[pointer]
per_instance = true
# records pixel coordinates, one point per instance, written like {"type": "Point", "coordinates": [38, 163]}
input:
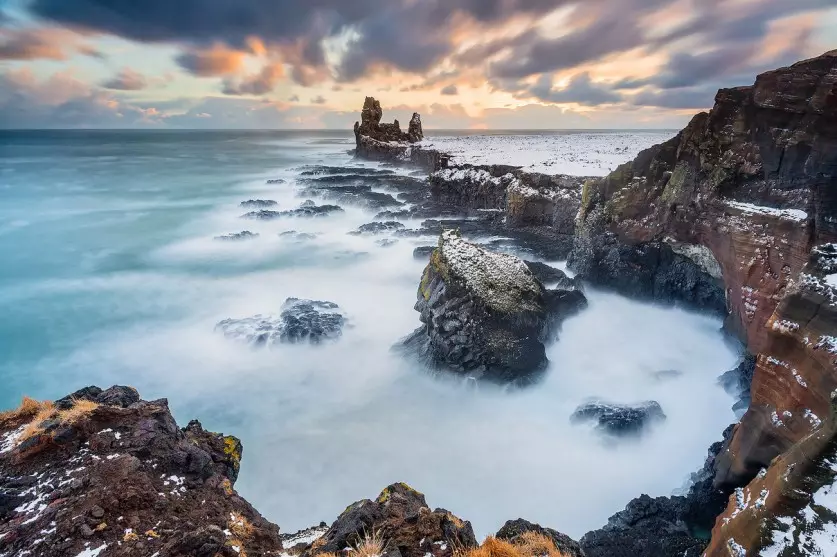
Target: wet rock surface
{"type": "Point", "coordinates": [307, 209]}
{"type": "Point", "coordinates": [237, 236]}
{"type": "Point", "coordinates": [258, 203]}
{"type": "Point", "coordinates": [299, 321]}
{"type": "Point", "coordinates": [619, 419]}
{"type": "Point", "coordinates": [372, 228]}
{"type": "Point", "coordinates": [484, 314]}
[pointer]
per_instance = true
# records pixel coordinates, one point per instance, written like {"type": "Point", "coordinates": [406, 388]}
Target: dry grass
{"type": "Point", "coordinates": [47, 410]}
{"type": "Point", "coordinates": [80, 409]}
{"type": "Point", "coordinates": [529, 544]}
{"type": "Point", "coordinates": [240, 526]}
{"type": "Point", "coordinates": [28, 407]}
{"type": "Point", "coordinates": [372, 545]}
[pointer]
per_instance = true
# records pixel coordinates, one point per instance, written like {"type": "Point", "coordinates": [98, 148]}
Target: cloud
{"type": "Point", "coordinates": [319, 99]}
{"type": "Point", "coordinates": [44, 42]}
{"type": "Point", "coordinates": [697, 98]}
{"type": "Point", "coordinates": [293, 98]}
{"type": "Point", "coordinates": [215, 61]}
{"type": "Point", "coordinates": [449, 90]}
{"type": "Point", "coordinates": [258, 84]}
{"type": "Point", "coordinates": [62, 101]}
{"type": "Point", "coordinates": [126, 80]}
{"type": "Point", "coordinates": [579, 90]}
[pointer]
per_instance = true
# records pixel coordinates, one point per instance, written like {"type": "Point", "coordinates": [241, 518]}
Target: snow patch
{"type": "Point", "coordinates": [788, 214]}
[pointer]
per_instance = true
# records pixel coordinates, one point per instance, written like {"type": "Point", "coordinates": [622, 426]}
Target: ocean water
{"type": "Point", "coordinates": [110, 275]}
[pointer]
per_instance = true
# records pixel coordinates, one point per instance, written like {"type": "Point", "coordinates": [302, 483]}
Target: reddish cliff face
{"type": "Point", "coordinates": [730, 210]}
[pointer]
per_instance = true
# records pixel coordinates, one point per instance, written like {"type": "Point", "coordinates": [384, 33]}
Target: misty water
{"type": "Point", "coordinates": [110, 274]}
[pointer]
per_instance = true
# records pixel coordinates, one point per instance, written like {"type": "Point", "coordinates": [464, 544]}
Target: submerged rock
{"type": "Point", "coordinates": [298, 236]}
{"type": "Point", "coordinates": [400, 518]}
{"type": "Point", "coordinates": [307, 209]}
{"type": "Point", "coordinates": [377, 228]}
{"type": "Point", "coordinates": [236, 236]}
{"type": "Point", "coordinates": [386, 242]}
{"type": "Point", "coordinates": [423, 252]}
{"type": "Point", "coordinates": [394, 215]}
{"type": "Point", "coordinates": [484, 314]}
{"type": "Point", "coordinates": [276, 181]}
{"type": "Point", "coordinates": [619, 419]}
{"type": "Point", "coordinates": [258, 203]}
{"type": "Point", "coordinates": [355, 195]}
{"type": "Point", "coordinates": [300, 321]}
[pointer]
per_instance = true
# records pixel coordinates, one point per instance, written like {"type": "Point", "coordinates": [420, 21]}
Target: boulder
{"type": "Point", "coordinates": [300, 321]}
{"type": "Point", "coordinates": [258, 203]}
{"type": "Point", "coordinates": [401, 521]}
{"type": "Point", "coordinates": [237, 236]}
{"type": "Point", "coordinates": [377, 228]}
{"type": "Point", "coordinates": [484, 314]}
{"type": "Point", "coordinates": [619, 419]}
{"type": "Point", "coordinates": [512, 530]}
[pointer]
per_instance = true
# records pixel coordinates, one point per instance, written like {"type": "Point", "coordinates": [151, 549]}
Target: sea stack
{"type": "Point", "coordinates": [484, 314]}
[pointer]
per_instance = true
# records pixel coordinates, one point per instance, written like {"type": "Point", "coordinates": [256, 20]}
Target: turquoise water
{"type": "Point", "coordinates": [110, 274]}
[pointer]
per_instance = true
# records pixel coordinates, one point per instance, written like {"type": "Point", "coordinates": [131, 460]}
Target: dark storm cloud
{"type": "Point", "coordinates": [693, 98]}
{"type": "Point", "coordinates": [449, 90]}
{"type": "Point", "coordinates": [580, 90]}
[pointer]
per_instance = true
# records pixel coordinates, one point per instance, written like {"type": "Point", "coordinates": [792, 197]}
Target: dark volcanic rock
{"type": "Point", "coordinates": [237, 236]}
{"type": "Point", "coordinates": [258, 203]}
{"type": "Point", "coordinates": [353, 195]}
{"type": "Point", "coordinates": [377, 228]}
{"type": "Point", "coordinates": [386, 242]}
{"type": "Point", "coordinates": [297, 236]}
{"type": "Point", "coordinates": [545, 273]}
{"type": "Point", "coordinates": [370, 125]}
{"type": "Point", "coordinates": [619, 419]}
{"type": "Point", "coordinates": [394, 215]}
{"type": "Point", "coordinates": [123, 479]}
{"type": "Point", "coordinates": [276, 181]}
{"type": "Point", "coordinates": [737, 382]}
{"type": "Point", "coordinates": [322, 170]}
{"type": "Point", "coordinates": [512, 530]}
{"type": "Point", "coordinates": [423, 252]}
{"type": "Point", "coordinates": [300, 321]}
{"type": "Point", "coordinates": [307, 209]}
{"type": "Point", "coordinates": [484, 314]}
{"type": "Point", "coordinates": [405, 524]}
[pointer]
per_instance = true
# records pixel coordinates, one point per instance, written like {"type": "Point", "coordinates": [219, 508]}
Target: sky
{"type": "Point", "coordinates": [462, 64]}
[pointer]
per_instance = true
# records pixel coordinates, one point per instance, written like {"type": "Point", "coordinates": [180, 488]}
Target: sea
{"type": "Point", "coordinates": [110, 273]}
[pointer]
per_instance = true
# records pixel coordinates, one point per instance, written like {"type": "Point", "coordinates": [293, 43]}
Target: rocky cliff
{"type": "Point", "coordinates": [737, 213]}
{"type": "Point", "coordinates": [103, 473]}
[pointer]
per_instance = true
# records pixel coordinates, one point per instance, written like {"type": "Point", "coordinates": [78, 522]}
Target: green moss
{"type": "Point", "coordinates": [424, 286]}
{"type": "Point", "coordinates": [232, 448]}
{"type": "Point", "coordinates": [387, 492]}
{"type": "Point", "coordinates": [675, 185]}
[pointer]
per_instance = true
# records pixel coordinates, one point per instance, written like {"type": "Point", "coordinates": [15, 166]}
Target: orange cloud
{"type": "Point", "coordinates": [215, 61]}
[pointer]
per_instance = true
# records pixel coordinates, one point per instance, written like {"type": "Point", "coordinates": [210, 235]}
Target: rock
{"type": "Point", "coordinates": [306, 209]}
{"type": "Point", "coordinates": [737, 382]}
{"type": "Point", "coordinates": [394, 215]}
{"type": "Point", "coordinates": [377, 228]}
{"type": "Point", "coordinates": [361, 195]}
{"type": "Point", "coordinates": [237, 236]}
{"type": "Point", "coordinates": [300, 321]}
{"type": "Point", "coordinates": [512, 530]}
{"type": "Point", "coordinates": [298, 236]}
{"type": "Point", "coordinates": [276, 181]}
{"type": "Point", "coordinates": [370, 125]}
{"type": "Point", "coordinates": [484, 314]}
{"type": "Point", "coordinates": [619, 419]}
{"type": "Point", "coordinates": [90, 393]}
{"type": "Point", "coordinates": [423, 252]}
{"type": "Point", "coordinates": [258, 203]}
{"type": "Point", "coordinates": [545, 273]}
{"type": "Point", "coordinates": [127, 479]}
{"type": "Point", "coordinates": [386, 242]}
{"type": "Point", "coordinates": [402, 520]}
{"type": "Point", "coordinates": [354, 171]}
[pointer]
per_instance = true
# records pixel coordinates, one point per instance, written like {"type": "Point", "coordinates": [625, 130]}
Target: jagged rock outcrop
{"type": "Point", "coordinates": [485, 314]}
{"type": "Point", "coordinates": [102, 471]}
{"type": "Point", "coordinates": [513, 530]}
{"type": "Point", "coordinates": [402, 524]}
{"type": "Point", "coordinates": [370, 125]}
{"type": "Point", "coordinates": [726, 215]}
{"type": "Point", "coordinates": [619, 419]}
{"type": "Point", "coordinates": [311, 321]}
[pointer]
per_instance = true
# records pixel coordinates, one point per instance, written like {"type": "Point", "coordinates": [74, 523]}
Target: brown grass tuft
{"type": "Point", "coordinates": [240, 526]}
{"type": "Point", "coordinates": [528, 544]}
{"type": "Point", "coordinates": [47, 410]}
{"type": "Point", "coordinates": [80, 409]}
{"type": "Point", "coordinates": [372, 545]}
{"type": "Point", "coordinates": [28, 408]}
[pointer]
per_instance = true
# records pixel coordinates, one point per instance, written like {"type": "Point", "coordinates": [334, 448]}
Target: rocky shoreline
{"type": "Point", "coordinates": [736, 215]}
